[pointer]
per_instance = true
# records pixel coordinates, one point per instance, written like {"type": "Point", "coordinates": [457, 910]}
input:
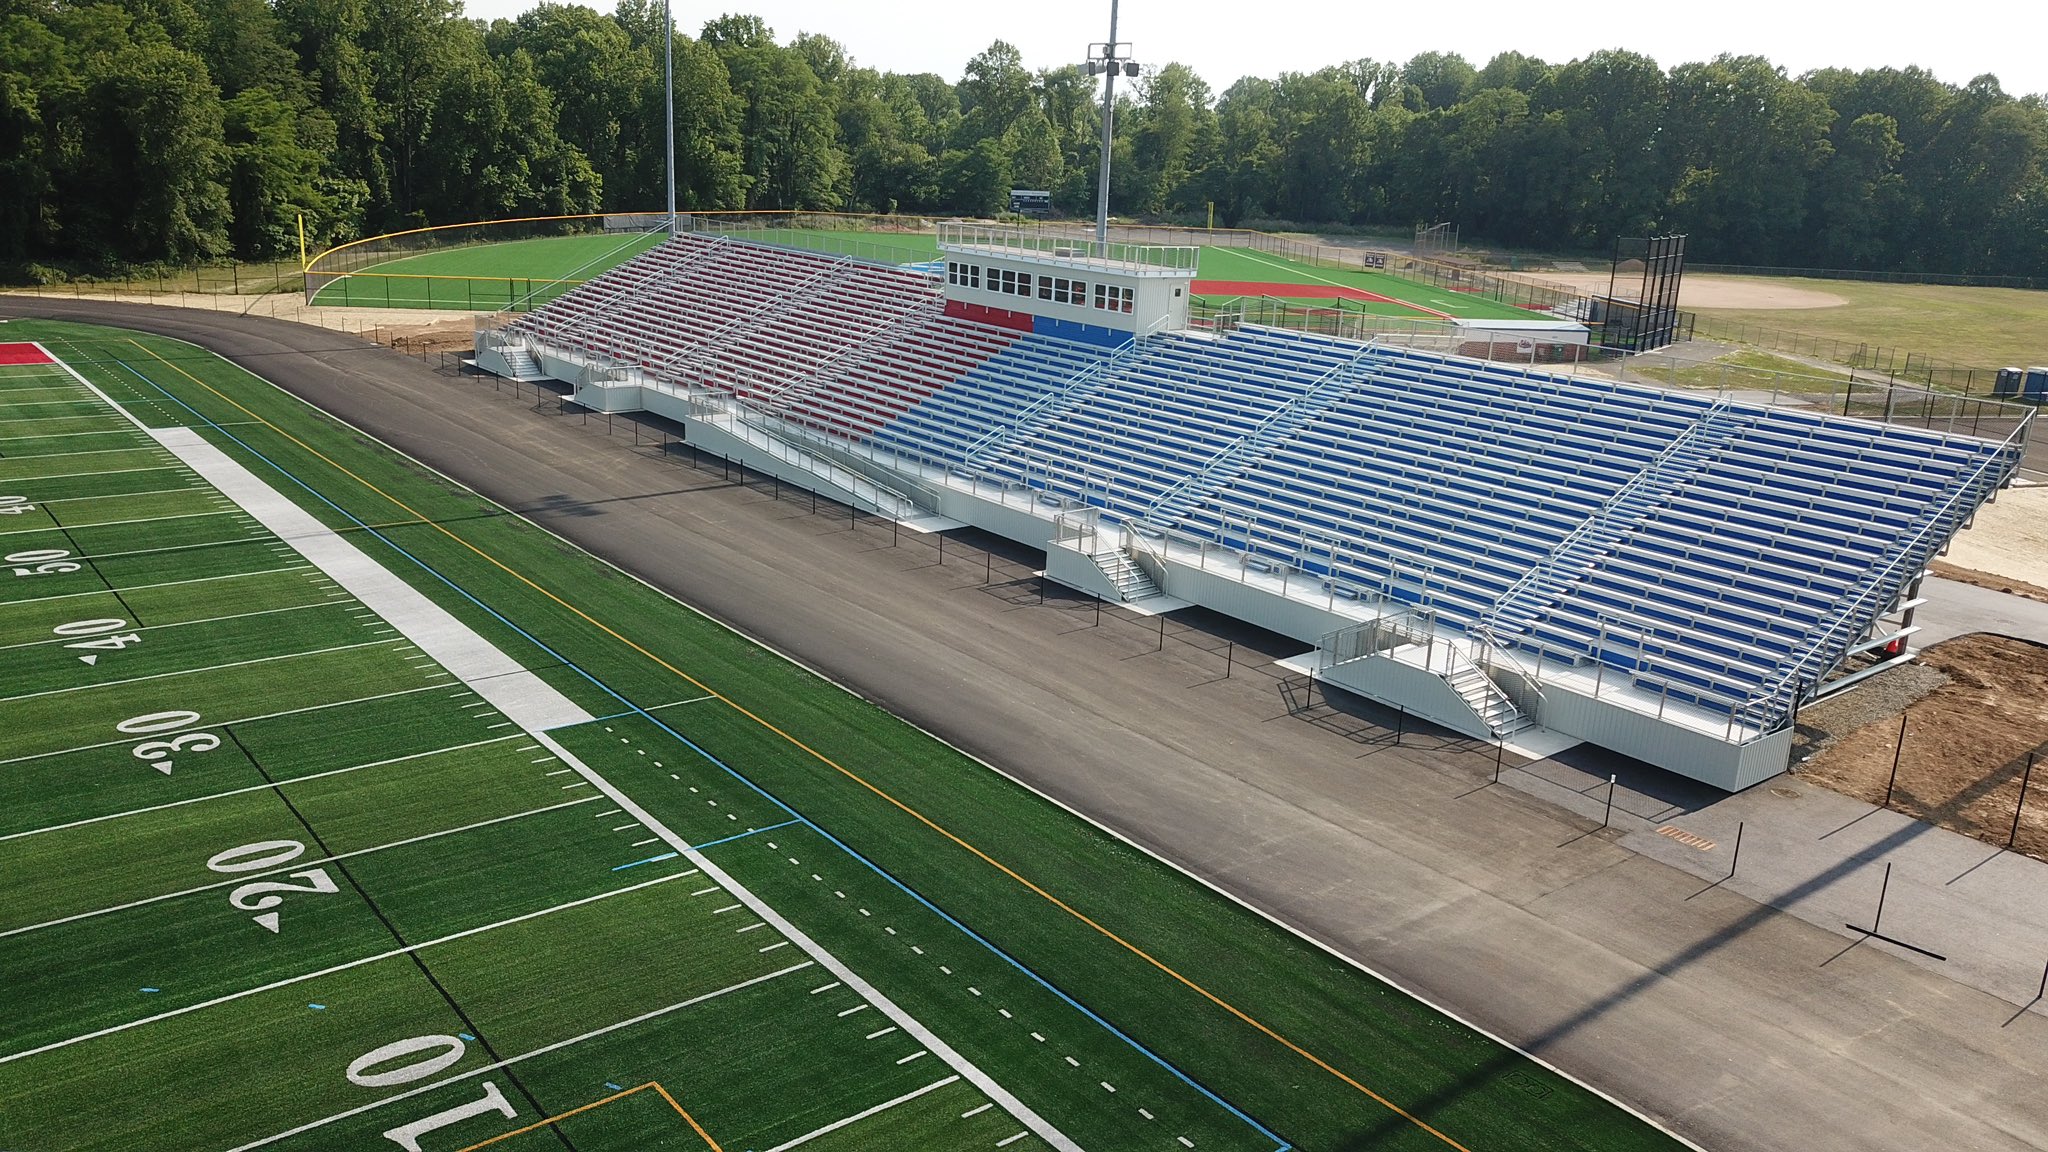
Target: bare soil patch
{"type": "Point", "coordinates": [1700, 291]}
{"type": "Point", "coordinates": [1966, 748]}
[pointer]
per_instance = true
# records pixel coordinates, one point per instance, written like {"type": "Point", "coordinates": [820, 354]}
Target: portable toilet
{"type": "Point", "coordinates": [2036, 387]}
{"type": "Point", "coordinates": [2008, 381]}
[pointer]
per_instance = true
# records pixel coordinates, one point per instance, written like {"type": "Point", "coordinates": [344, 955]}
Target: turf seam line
{"type": "Point", "coordinates": [69, 539]}
{"type": "Point", "coordinates": [1175, 1071]}
{"type": "Point", "coordinates": [462, 1014]}
{"type": "Point", "coordinates": [334, 968]}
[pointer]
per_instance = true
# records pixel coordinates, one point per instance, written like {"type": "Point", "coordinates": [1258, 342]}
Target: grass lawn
{"type": "Point", "coordinates": [1976, 327]}
{"type": "Point", "coordinates": [488, 276]}
{"type": "Point", "coordinates": [357, 892]}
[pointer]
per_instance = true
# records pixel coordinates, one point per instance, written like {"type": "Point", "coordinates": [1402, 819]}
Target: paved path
{"type": "Point", "coordinates": [1743, 1026]}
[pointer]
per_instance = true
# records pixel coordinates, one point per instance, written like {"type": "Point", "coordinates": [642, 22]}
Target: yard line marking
{"type": "Point", "coordinates": [200, 488]}
{"type": "Point", "coordinates": [623, 827]}
{"type": "Point", "coordinates": [728, 908]}
{"type": "Point", "coordinates": [974, 1075]}
{"type": "Point", "coordinates": [879, 1035]}
{"type": "Point", "coordinates": [120, 523]}
{"type": "Point", "coordinates": [649, 860]}
{"type": "Point", "coordinates": [65, 436]}
{"type": "Point", "coordinates": [252, 788]}
{"type": "Point", "coordinates": [191, 671]}
{"type": "Point", "coordinates": [976, 1111]}
{"type": "Point", "coordinates": [169, 583]}
{"type": "Point", "coordinates": [855, 1008]}
{"type": "Point", "coordinates": [645, 843]}
{"type": "Point", "coordinates": [884, 1106]}
{"type": "Point", "coordinates": [557, 1046]}
{"type": "Point", "coordinates": [751, 927]}
{"type": "Point", "coordinates": [700, 891]}
{"type": "Point", "coordinates": [1006, 1141]}
{"type": "Point", "coordinates": [225, 723]}
{"type": "Point", "coordinates": [178, 623]}
{"type": "Point", "coordinates": [603, 814]}
{"type": "Point", "coordinates": [342, 967]}
{"type": "Point", "coordinates": [294, 866]}
{"type": "Point", "coordinates": [913, 1056]}
{"type": "Point", "coordinates": [774, 946]}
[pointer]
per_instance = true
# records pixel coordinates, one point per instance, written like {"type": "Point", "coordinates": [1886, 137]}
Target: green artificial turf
{"type": "Point", "coordinates": [459, 847]}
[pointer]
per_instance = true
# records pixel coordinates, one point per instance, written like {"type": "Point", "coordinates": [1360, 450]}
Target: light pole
{"type": "Point", "coordinates": [1107, 59]}
{"type": "Point", "coordinates": [668, 52]}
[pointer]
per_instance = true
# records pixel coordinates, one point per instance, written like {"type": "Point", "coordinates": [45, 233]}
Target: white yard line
{"type": "Point", "coordinates": [225, 723]}
{"type": "Point", "coordinates": [902, 1019]}
{"type": "Point", "coordinates": [557, 1046]}
{"type": "Point", "coordinates": [530, 701]}
{"type": "Point", "coordinates": [115, 523]}
{"type": "Point", "coordinates": [343, 967]}
{"type": "Point", "coordinates": [195, 671]}
{"type": "Point", "coordinates": [294, 866]}
{"type": "Point", "coordinates": [65, 435]}
{"type": "Point", "coordinates": [165, 584]}
{"type": "Point", "coordinates": [108, 472]}
{"type": "Point", "coordinates": [178, 623]}
{"type": "Point", "coordinates": [884, 1106]}
{"type": "Point", "coordinates": [254, 788]}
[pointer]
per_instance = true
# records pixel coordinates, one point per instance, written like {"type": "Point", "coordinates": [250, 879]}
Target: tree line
{"type": "Point", "coordinates": [175, 131]}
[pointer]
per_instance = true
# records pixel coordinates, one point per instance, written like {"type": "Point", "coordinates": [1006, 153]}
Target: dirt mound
{"type": "Point", "coordinates": [1967, 745]}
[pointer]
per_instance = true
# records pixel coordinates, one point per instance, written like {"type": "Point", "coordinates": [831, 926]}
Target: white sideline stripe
{"type": "Point", "coordinates": [294, 866]}
{"type": "Point", "coordinates": [511, 1060]}
{"type": "Point", "coordinates": [329, 971]}
{"type": "Point", "coordinates": [522, 696]}
{"type": "Point", "coordinates": [225, 723]}
{"type": "Point", "coordinates": [884, 1106]}
{"type": "Point", "coordinates": [826, 960]}
{"type": "Point", "coordinates": [116, 523]}
{"type": "Point", "coordinates": [193, 671]}
{"type": "Point", "coordinates": [179, 623]}
{"type": "Point", "coordinates": [250, 788]}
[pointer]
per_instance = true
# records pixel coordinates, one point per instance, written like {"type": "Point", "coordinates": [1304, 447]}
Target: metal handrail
{"type": "Point", "coordinates": [1766, 706]}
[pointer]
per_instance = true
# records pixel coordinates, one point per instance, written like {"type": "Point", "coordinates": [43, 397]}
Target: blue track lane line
{"type": "Point", "coordinates": [1280, 1144]}
{"type": "Point", "coordinates": [649, 860]}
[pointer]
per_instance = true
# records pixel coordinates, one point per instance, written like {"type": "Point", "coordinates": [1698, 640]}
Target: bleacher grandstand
{"type": "Point", "coordinates": [1687, 563]}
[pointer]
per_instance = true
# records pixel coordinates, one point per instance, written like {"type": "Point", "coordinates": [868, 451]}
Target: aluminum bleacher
{"type": "Point", "coordinates": [1715, 555]}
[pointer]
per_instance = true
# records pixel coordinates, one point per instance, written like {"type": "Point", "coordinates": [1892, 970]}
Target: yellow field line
{"type": "Point", "coordinates": [844, 771]}
{"type": "Point", "coordinates": [656, 1086]}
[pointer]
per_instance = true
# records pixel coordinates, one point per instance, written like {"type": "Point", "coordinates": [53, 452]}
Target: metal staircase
{"type": "Point", "coordinates": [1415, 643]}
{"type": "Point", "coordinates": [1230, 463]}
{"type": "Point", "coordinates": [1526, 599]}
{"type": "Point", "coordinates": [1132, 583]}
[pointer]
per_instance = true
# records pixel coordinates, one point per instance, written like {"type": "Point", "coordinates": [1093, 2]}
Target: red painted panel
{"type": "Point", "coordinates": [23, 354]}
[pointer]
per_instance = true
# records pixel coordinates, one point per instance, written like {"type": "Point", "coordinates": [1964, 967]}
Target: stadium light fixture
{"type": "Point", "coordinates": [1106, 59]}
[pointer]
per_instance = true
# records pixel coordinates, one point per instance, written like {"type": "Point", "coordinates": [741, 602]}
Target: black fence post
{"type": "Point", "coordinates": [1896, 754]}
{"type": "Point", "coordinates": [1607, 815]}
{"type": "Point", "coordinates": [1737, 858]}
{"type": "Point", "coordinates": [1162, 633]}
{"type": "Point", "coordinates": [1229, 658]}
{"type": "Point", "coordinates": [2025, 779]}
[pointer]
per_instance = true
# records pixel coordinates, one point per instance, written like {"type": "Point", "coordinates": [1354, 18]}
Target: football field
{"type": "Point", "coordinates": [347, 809]}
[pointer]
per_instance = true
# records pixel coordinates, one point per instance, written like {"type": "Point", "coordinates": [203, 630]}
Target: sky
{"type": "Point", "coordinates": [1955, 42]}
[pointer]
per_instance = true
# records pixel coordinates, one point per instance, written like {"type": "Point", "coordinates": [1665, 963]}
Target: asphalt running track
{"type": "Point", "coordinates": [1708, 1013]}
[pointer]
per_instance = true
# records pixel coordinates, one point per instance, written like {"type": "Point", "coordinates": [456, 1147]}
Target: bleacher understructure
{"type": "Point", "coordinates": [1494, 549]}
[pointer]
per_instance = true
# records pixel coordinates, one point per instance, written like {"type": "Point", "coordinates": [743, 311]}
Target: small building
{"type": "Point", "coordinates": [1055, 283]}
